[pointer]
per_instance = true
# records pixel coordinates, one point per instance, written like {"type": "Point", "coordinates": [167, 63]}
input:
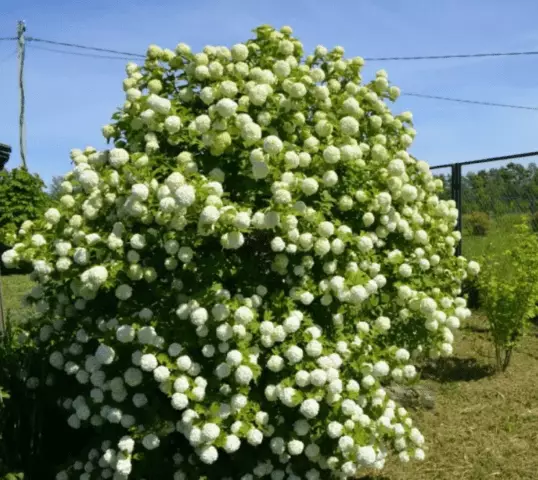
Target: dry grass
{"type": "Point", "coordinates": [484, 425]}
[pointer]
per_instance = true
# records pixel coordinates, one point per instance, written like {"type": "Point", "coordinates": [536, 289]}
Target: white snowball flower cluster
{"type": "Point", "coordinates": [246, 268]}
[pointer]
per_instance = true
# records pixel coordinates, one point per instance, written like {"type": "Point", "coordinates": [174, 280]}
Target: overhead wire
{"type": "Point", "coordinates": [371, 59]}
{"type": "Point", "coordinates": [122, 55]}
{"type": "Point", "coordinates": [84, 47]}
{"type": "Point", "coordinates": [449, 56]}
{"type": "Point", "coordinates": [79, 54]}
{"type": "Point", "coordinates": [461, 100]}
{"type": "Point", "coordinates": [9, 56]}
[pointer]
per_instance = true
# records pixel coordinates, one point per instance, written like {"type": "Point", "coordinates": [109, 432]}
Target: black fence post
{"type": "Point", "coordinates": [456, 196]}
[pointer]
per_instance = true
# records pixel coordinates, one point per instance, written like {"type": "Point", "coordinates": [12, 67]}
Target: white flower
{"type": "Point", "coordinates": [409, 371]}
{"type": "Point", "coordinates": [185, 254]}
{"type": "Point", "coordinates": [209, 455]}
{"type": "Point", "coordinates": [38, 240]}
{"type": "Point", "coordinates": [105, 354]}
{"type": "Point", "coordinates": [382, 323]}
{"type": "Point", "coordinates": [243, 315]}
{"type": "Point", "coordinates": [295, 447]}
{"type": "Point", "coordinates": [151, 441]}
{"type": "Point", "coordinates": [366, 456]}
{"type": "Point", "coordinates": [330, 178]}
{"type": "Point", "coordinates": [243, 375]}
{"type": "Point", "coordinates": [185, 195]}
{"type": "Point", "coordinates": [118, 157]}
{"type": "Point", "coordinates": [473, 268]}
{"type": "Point", "coordinates": [226, 107]}
{"type": "Point", "coordinates": [89, 180]}
{"type": "Point", "coordinates": [133, 376]}
{"type": "Point", "coordinates": [275, 363]}
{"type": "Point", "coordinates": [310, 408]}
{"type": "Point", "coordinates": [148, 362]}
{"type": "Point", "coordinates": [381, 369]}
{"type": "Point", "coordinates": [161, 373]}
{"type": "Point", "coordinates": [331, 155]}
{"type": "Point", "coordinates": [184, 363]}
{"type": "Point", "coordinates": [239, 52]}
{"type": "Point", "coordinates": [272, 145]}
{"type": "Point", "coordinates": [180, 401]}
{"type": "Point", "coordinates": [159, 104]}
{"type": "Point", "coordinates": [210, 432]}
{"type": "Point", "coordinates": [402, 355]}
{"type": "Point", "coordinates": [232, 443]}
{"type": "Point", "coordinates": [349, 126]}
{"type": "Point", "coordinates": [254, 436]}
{"type": "Point", "coordinates": [52, 215]}
{"type": "Point", "coordinates": [124, 292]}
{"type": "Point", "coordinates": [232, 240]}
{"type": "Point", "coordinates": [294, 354]}
{"type": "Point", "coordinates": [172, 124]}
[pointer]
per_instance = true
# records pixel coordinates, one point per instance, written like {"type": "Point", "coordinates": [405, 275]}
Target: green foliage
{"type": "Point", "coordinates": [508, 296]}
{"type": "Point", "coordinates": [34, 438]}
{"type": "Point", "coordinates": [22, 197]}
{"type": "Point", "coordinates": [533, 222]}
{"type": "Point", "coordinates": [477, 223]}
{"type": "Point", "coordinates": [510, 188]}
{"type": "Point", "coordinates": [55, 191]}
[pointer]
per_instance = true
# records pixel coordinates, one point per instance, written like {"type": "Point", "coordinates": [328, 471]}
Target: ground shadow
{"type": "Point", "coordinates": [456, 370]}
{"type": "Point", "coordinates": [476, 329]}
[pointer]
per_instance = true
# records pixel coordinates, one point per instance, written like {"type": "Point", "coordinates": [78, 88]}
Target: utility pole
{"type": "Point", "coordinates": [21, 28]}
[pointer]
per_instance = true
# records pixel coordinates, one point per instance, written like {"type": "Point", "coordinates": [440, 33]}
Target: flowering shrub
{"type": "Point", "coordinates": [231, 285]}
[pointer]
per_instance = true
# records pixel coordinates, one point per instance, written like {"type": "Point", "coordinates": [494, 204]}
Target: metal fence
{"type": "Point", "coordinates": [493, 195]}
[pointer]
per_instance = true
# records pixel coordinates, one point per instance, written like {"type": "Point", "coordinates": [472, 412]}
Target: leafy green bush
{"type": "Point", "coordinates": [227, 290]}
{"type": "Point", "coordinates": [22, 197]}
{"type": "Point", "coordinates": [509, 293]}
{"type": "Point", "coordinates": [533, 222]}
{"type": "Point", "coordinates": [477, 223]}
{"type": "Point", "coordinates": [34, 439]}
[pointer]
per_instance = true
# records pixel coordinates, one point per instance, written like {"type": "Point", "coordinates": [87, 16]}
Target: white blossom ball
{"type": "Point", "coordinates": [148, 362]}
{"type": "Point", "coordinates": [151, 441]}
{"type": "Point", "coordinates": [309, 408]}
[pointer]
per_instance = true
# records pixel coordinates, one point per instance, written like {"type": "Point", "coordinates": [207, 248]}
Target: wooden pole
{"type": "Point", "coordinates": [21, 51]}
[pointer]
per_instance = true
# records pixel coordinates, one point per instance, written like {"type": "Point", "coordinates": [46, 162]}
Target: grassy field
{"type": "Point", "coordinates": [13, 289]}
{"type": "Point", "coordinates": [497, 239]}
{"type": "Point", "coordinates": [483, 426]}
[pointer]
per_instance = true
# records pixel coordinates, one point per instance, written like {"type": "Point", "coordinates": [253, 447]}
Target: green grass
{"type": "Point", "coordinates": [496, 241]}
{"type": "Point", "coordinates": [14, 287]}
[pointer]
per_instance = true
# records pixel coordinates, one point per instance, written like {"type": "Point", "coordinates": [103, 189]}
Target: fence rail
{"type": "Point", "coordinates": [491, 199]}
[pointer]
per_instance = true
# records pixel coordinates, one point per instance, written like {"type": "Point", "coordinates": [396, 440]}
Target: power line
{"type": "Point", "coordinates": [84, 47]}
{"type": "Point", "coordinates": [462, 55]}
{"type": "Point", "coordinates": [7, 57]}
{"type": "Point", "coordinates": [121, 55]}
{"type": "Point", "coordinates": [370, 59]}
{"type": "Point", "coordinates": [80, 54]}
{"type": "Point", "coordinates": [7, 38]}
{"type": "Point", "coordinates": [474, 102]}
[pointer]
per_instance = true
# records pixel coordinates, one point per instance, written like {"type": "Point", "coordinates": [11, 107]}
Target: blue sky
{"type": "Point", "coordinates": [69, 98]}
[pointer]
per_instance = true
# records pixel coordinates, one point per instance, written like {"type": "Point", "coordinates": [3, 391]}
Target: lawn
{"type": "Point", "coordinates": [497, 239]}
{"type": "Point", "coordinates": [484, 425]}
{"type": "Point", "coordinates": [13, 289]}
